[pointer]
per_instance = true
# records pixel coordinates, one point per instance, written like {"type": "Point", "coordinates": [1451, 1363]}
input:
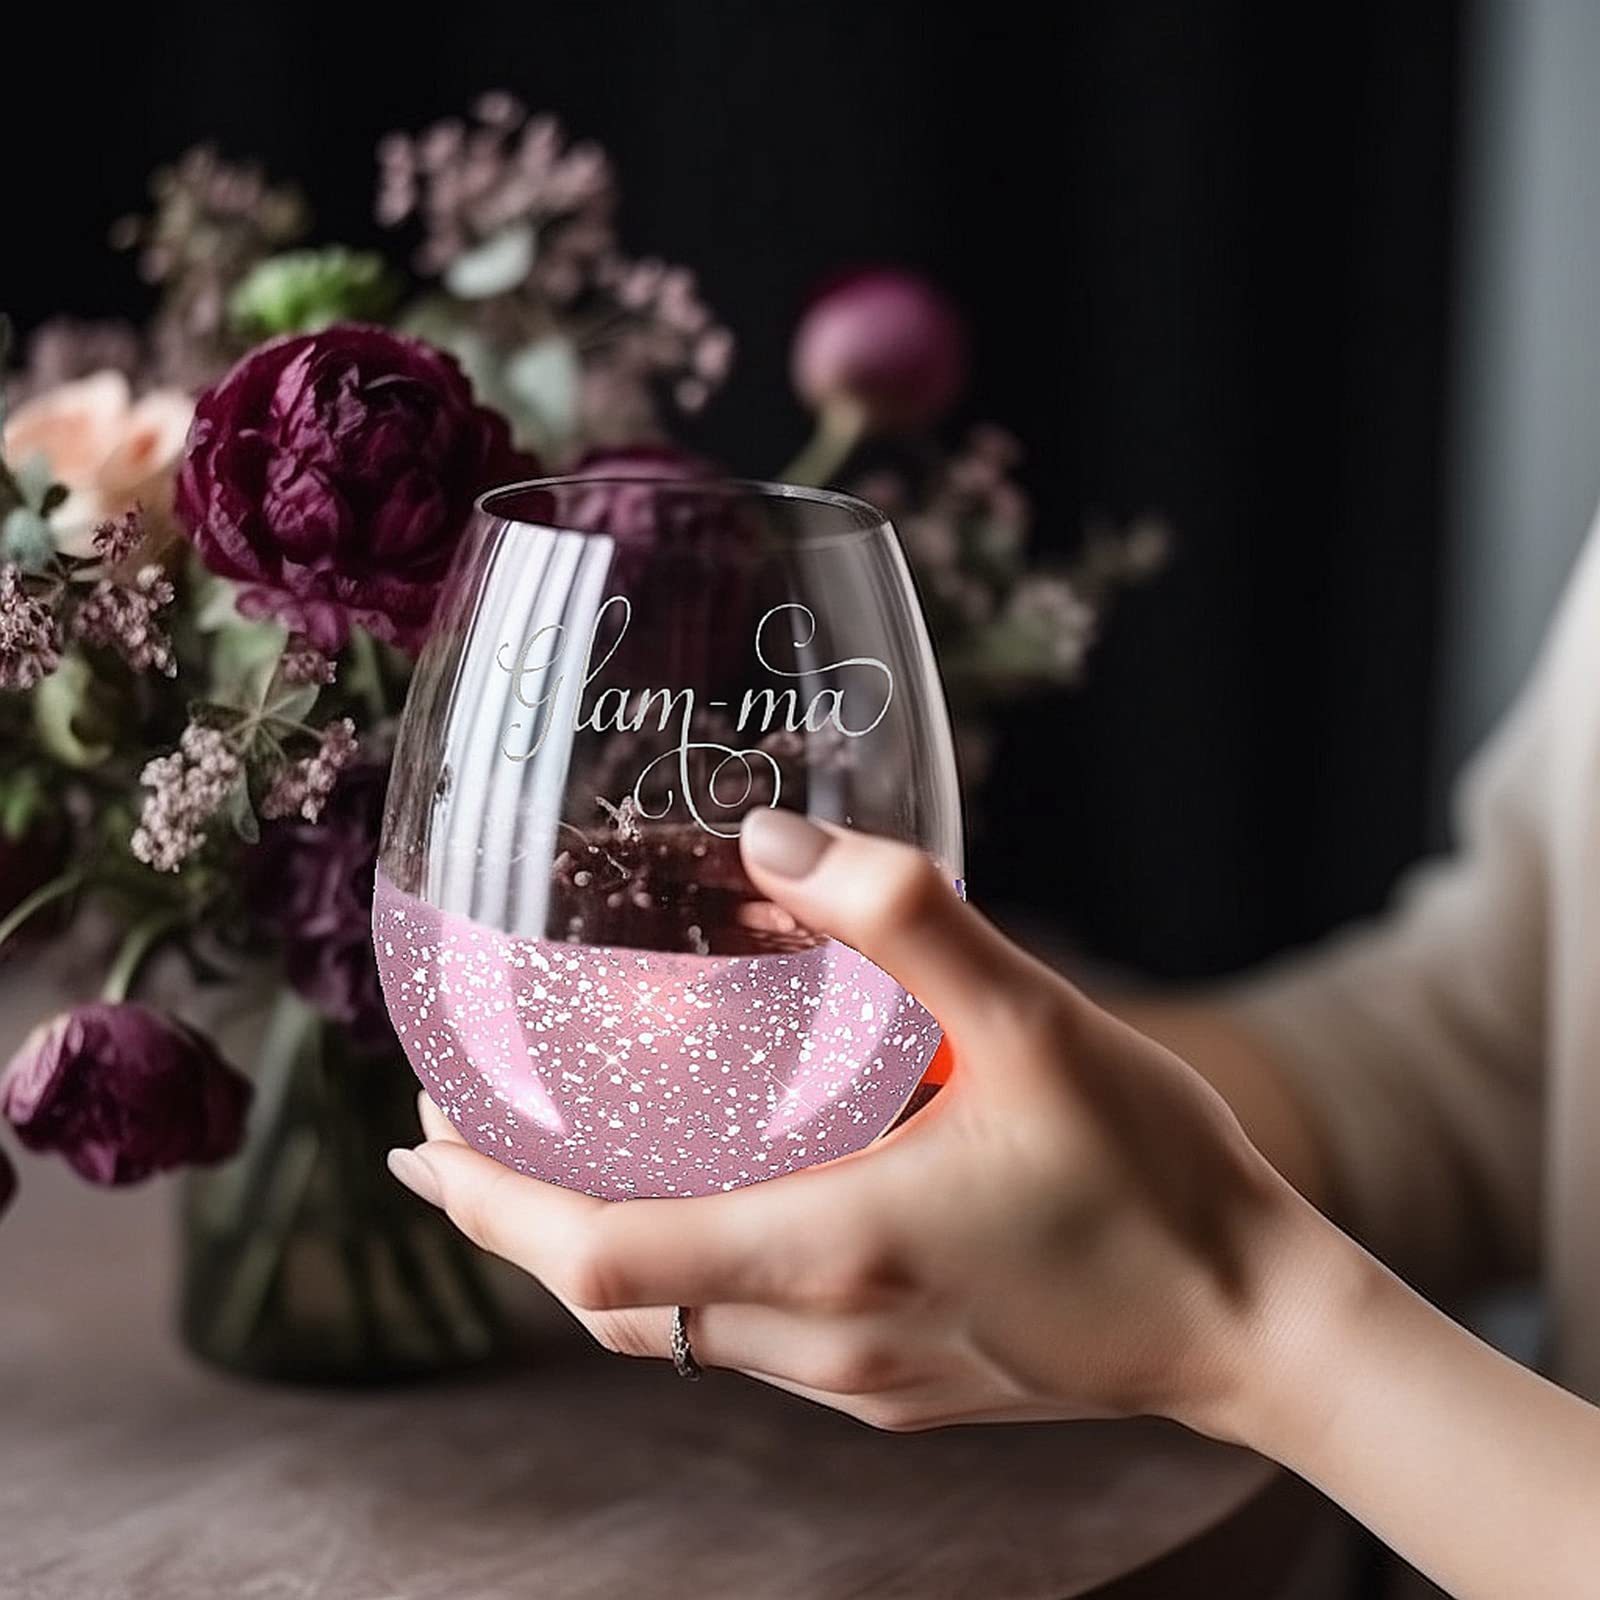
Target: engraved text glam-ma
{"type": "Point", "coordinates": [538, 675]}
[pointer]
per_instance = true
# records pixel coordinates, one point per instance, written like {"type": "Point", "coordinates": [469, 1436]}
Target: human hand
{"type": "Point", "coordinates": [1076, 1226]}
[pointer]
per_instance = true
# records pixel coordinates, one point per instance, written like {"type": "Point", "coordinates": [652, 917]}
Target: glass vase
{"type": "Point", "coordinates": [303, 1260]}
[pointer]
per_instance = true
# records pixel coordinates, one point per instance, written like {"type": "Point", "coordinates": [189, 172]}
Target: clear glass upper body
{"type": "Point", "coordinates": [579, 969]}
{"type": "Point", "coordinates": [659, 656]}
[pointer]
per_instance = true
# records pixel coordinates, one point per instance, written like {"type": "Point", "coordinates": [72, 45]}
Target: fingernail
{"type": "Point", "coordinates": [782, 842]}
{"type": "Point", "coordinates": [414, 1172]}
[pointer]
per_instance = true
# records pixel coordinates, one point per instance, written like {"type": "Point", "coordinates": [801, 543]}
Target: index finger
{"type": "Point", "coordinates": [775, 1243]}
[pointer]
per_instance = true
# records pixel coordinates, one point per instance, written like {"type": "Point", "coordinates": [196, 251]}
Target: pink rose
{"type": "Point", "coordinates": [111, 451]}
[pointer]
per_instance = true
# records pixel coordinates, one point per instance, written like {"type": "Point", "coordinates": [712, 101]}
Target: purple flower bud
{"type": "Point", "coordinates": [122, 1091]}
{"type": "Point", "coordinates": [884, 342]}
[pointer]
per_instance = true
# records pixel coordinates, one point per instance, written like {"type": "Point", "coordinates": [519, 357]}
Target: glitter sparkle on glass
{"type": "Point", "coordinates": [631, 1072]}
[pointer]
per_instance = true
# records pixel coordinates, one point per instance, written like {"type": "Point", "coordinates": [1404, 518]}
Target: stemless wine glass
{"type": "Point", "coordinates": [580, 972]}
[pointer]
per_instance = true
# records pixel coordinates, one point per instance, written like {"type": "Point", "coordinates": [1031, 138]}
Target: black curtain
{"type": "Point", "coordinates": [1207, 250]}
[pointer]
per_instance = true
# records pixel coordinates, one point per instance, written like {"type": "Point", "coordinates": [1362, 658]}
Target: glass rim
{"type": "Point", "coordinates": [865, 518]}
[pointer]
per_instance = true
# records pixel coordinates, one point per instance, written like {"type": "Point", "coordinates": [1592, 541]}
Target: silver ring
{"type": "Point", "coordinates": [683, 1360]}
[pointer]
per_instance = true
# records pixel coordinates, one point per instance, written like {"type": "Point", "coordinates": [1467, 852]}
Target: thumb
{"type": "Point", "coordinates": [890, 902]}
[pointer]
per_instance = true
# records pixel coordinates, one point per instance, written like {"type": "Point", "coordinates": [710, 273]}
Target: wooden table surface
{"type": "Point", "coordinates": [129, 1472]}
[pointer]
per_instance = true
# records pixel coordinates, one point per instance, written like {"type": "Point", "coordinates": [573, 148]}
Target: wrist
{"type": "Point", "coordinates": [1311, 1292]}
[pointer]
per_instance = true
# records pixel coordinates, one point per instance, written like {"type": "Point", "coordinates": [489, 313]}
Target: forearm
{"type": "Point", "coordinates": [1479, 1472]}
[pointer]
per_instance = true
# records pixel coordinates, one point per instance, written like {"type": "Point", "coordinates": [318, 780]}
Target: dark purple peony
{"type": "Point", "coordinates": [330, 475]}
{"type": "Point", "coordinates": [122, 1091]}
{"type": "Point", "coordinates": [314, 888]}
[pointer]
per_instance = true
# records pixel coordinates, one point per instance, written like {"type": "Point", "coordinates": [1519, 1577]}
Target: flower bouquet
{"type": "Point", "coordinates": [222, 536]}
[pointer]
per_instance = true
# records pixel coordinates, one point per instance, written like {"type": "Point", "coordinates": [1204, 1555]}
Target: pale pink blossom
{"type": "Point", "coordinates": [112, 452]}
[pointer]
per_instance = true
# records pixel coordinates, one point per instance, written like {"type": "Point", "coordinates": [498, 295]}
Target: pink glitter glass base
{"type": "Point", "coordinates": [630, 1072]}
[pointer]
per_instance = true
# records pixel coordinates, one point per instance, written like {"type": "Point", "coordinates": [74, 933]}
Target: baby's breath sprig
{"type": "Point", "coordinates": [223, 754]}
{"type": "Point", "coordinates": [85, 600]}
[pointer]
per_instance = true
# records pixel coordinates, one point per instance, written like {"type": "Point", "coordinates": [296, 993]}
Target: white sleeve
{"type": "Point", "coordinates": [1419, 1042]}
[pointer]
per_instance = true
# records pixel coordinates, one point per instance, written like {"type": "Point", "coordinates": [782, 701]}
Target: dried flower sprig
{"type": "Point", "coordinates": [82, 600]}
{"type": "Point", "coordinates": [187, 789]}
{"type": "Point", "coordinates": [471, 184]}
{"type": "Point", "coordinates": [117, 538]}
{"type": "Point", "coordinates": [1006, 625]}
{"type": "Point", "coordinates": [558, 326]}
{"type": "Point", "coordinates": [1047, 628]}
{"type": "Point", "coordinates": [122, 617]}
{"type": "Point", "coordinates": [30, 633]}
{"type": "Point", "coordinates": [211, 772]}
{"type": "Point", "coordinates": [302, 787]}
{"type": "Point", "coordinates": [303, 665]}
{"type": "Point", "coordinates": [213, 220]}
{"type": "Point", "coordinates": [1119, 557]}
{"type": "Point", "coordinates": [65, 349]}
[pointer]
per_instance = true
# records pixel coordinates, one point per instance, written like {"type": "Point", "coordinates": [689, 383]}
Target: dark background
{"type": "Point", "coordinates": [1207, 251]}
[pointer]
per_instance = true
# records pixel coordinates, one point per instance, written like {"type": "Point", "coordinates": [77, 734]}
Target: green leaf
{"type": "Point", "coordinates": [258, 679]}
{"type": "Point", "coordinates": [294, 702]}
{"type": "Point", "coordinates": [73, 723]}
{"type": "Point", "coordinates": [35, 478]}
{"type": "Point", "coordinates": [302, 291]}
{"type": "Point", "coordinates": [242, 814]}
{"type": "Point", "coordinates": [544, 378]}
{"type": "Point", "coordinates": [23, 802]}
{"type": "Point", "coordinates": [214, 600]}
{"type": "Point", "coordinates": [496, 266]}
{"type": "Point", "coordinates": [26, 539]}
{"type": "Point", "coordinates": [244, 654]}
{"type": "Point", "coordinates": [211, 713]}
{"type": "Point", "coordinates": [244, 661]}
